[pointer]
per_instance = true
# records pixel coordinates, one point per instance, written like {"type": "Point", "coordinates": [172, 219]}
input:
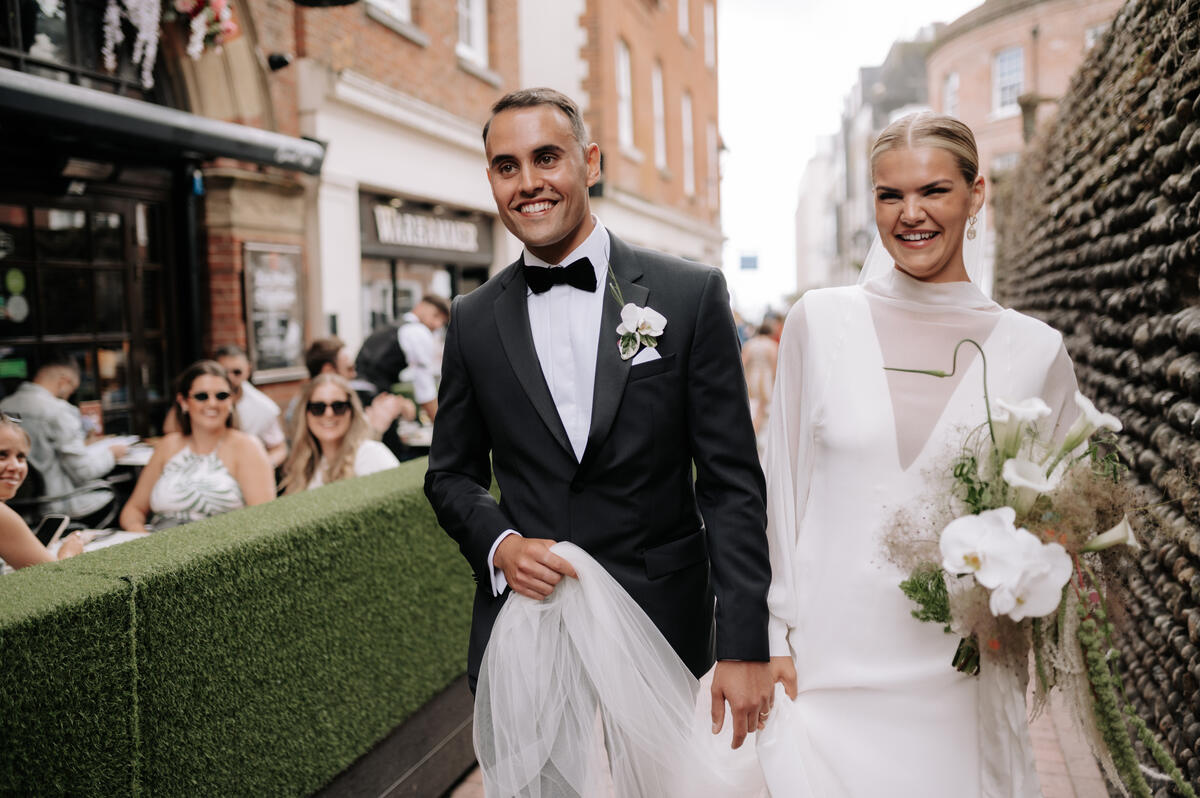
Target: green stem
{"type": "Point", "coordinates": [615, 289]}
{"type": "Point", "coordinates": [1159, 753]}
{"type": "Point", "coordinates": [954, 368]}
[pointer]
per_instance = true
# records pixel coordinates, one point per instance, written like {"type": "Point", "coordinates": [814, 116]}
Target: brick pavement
{"type": "Point", "coordinates": [1065, 766]}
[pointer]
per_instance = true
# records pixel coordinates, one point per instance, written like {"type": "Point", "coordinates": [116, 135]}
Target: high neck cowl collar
{"type": "Point", "coordinates": [899, 287]}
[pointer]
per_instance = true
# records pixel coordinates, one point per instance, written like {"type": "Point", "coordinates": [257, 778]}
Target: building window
{"type": "Point", "coordinates": [684, 28]}
{"type": "Point", "coordinates": [714, 170]}
{"type": "Point", "coordinates": [950, 94]}
{"type": "Point", "coordinates": [1093, 35]}
{"type": "Point", "coordinates": [660, 117]}
{"type": "Point", "coordinates": [472, 31]}
{"type": "Point", "coordinates": [1008, 79]}
{"type": "Point", "coordinates": [1005, 162]}
{"type": "Point", "coordinates": [624, 96]}
{"type": "Point", "coordinates": [689, 146]}
{"type": "Point", "coordinates": [710, 35]}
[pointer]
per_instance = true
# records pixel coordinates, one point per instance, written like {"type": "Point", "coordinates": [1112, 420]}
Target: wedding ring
{"type": "Point", "coordinates": [763, 715]}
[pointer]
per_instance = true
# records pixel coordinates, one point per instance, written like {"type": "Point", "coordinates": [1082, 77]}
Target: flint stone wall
{"type": "Point", "coordinates": [1100, 237]}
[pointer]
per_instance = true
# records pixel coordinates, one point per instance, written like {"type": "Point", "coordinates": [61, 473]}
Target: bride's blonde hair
{"type": "Point", "coordinates": [927, 129]}
{"type": "Point", "coordinates": [301, 465]}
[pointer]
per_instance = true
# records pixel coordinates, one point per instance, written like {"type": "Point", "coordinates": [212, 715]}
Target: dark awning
{"type": "Point", "coordinates": [192, 135]}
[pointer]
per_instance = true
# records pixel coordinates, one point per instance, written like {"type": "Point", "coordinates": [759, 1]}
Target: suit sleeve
{"type": "Point", "coordinates": [460, 471]}
{"type": "Point", "coordinates": [730, 488]}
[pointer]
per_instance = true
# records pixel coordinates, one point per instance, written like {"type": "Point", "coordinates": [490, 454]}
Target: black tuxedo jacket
{"type": "Point", "coordinates": [631, 502]}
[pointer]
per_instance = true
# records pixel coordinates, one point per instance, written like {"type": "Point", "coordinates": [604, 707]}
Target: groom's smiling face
{"type": "Point", "coordinates": [540, 173]}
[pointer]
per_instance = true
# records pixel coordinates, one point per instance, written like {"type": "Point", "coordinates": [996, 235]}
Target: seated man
{"type": "Point", "coordinates": [257, 413]}
{"type": "Point", "coordinates": [405, 352]}
{"type": "Point", "coordinates": [59, 449]}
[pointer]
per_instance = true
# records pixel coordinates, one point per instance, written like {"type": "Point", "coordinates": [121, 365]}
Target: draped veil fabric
{"type": "Point", "coordinates": [580, 695]}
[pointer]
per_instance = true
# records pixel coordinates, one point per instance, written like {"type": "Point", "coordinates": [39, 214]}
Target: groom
{"type": "Point", "coordinates": [592, 447]}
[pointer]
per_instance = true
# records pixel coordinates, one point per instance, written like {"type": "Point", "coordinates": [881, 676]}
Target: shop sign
{"type": "Point", "coordinates": [415, 233]}
{"type": "Point", "coordinates": [430, 232]}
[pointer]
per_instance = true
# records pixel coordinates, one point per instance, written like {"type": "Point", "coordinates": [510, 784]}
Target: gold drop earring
{"type": "Point", "coordinates": [971, 228]}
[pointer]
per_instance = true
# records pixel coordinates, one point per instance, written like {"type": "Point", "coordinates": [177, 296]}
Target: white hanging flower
{"type": "Point", "coordinates": [984, 545]}
{"type": "Point", "coordinates": [113, 34]}
{"type": "Point", "coordinates": [1037, 589]}
{"type": "Point", "coordinates": [1121, 533]}
{"type": "Point", "coordinates": [1030, 480]}
{"type": "Point", "coordinates": [1090, 419]}
{"type": "Point", "coordinates": [1009, 421]}
{"type": "Point", "coordinates": [198, 27]}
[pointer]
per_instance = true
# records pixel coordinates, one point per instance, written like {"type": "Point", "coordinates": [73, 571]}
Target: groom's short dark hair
{"type": "Point", "coordinates": [531, 98]}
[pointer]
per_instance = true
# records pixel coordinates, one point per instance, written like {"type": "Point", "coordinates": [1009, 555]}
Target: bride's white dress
{"type": "Point", "coordinates": [881, 711]}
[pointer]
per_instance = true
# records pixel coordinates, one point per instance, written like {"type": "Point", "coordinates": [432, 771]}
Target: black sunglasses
{"type": "Point", "coordinates": [318, 408]}
{"type": "Point", "coordinates": [220, 396]}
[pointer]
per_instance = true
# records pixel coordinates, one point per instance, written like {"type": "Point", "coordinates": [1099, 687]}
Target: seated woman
{"type": "Point", "coordinates": [335, 442]}
{"type": "Point", "coordinates": [18, 546]}
{"type": "Point", "coordinates": [208, 468]}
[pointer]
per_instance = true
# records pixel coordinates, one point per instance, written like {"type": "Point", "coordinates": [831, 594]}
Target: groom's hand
{"type": "Point", "coordinates": [529, 566]}
{"type": "Point", "coordinates": [748, 688]}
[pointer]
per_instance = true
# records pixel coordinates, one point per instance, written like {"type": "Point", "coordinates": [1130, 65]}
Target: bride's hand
{"type": "Point", "coordinates": [784, 670]}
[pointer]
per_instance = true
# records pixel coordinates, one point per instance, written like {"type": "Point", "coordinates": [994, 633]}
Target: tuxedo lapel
{"type": "Point", "coordinates": [512, 321]}
{"type": "Point", "coordinates": [611, 371]}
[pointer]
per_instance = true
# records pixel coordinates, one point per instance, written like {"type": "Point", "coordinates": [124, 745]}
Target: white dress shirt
{"type": "Point", "coordinates": [259, 415]}
{"type": "Point", "coordinates": [565, 323]}
{"type": "Point", "coordinates": [416, 341]}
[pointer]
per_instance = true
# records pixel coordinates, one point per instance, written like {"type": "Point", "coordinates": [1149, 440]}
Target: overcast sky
{"type": "Point", "coordinates": [785, 67]}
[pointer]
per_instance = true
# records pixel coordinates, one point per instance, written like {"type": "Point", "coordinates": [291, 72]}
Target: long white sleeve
{"type": "Point", "coordinates": [787, 464]}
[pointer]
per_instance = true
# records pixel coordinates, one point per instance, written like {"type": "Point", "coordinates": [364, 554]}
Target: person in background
{"type": "Point", "coordinates": [257, 414]}
{"type": "Point", "coordinates": [335, 442]}
{"type": "Point", "coordinates": [330, 356]}
{"type": "Point", "coordinates": [759, 355]}
{"type": "Point", "coordinates": [206, 468]}
{"type": "Point", "coordinates": [58, 448]}
{"type": "Point", "coordinates": [18, 546]}
{"type": "Point", "coordinates": [406, 352]}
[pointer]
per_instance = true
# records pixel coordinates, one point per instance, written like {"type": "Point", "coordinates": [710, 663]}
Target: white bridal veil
{"type": "Point", "coordinates": [975, 257]}
{"type": "Point", "coordinates": [580, 695]}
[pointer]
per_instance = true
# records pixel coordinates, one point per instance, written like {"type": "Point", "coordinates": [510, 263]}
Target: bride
{"type": "Point", "coordinates": [878, 709]}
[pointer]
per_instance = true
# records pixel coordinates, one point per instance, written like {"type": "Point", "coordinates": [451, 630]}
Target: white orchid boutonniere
{"type": "Point", "coordinates": [640, 326]}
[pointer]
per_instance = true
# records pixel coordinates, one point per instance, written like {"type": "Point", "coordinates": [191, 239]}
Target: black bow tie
{"type": "Point", "coordinates": [579, 274]}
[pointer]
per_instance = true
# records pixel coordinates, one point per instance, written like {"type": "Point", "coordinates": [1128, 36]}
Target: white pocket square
{"type": "Point", "coordinates": [647, 354]}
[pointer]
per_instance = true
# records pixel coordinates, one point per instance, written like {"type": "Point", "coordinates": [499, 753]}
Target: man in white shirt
{"type": "Point", "coordinates": [405, 353]}
{"type": "Point", "coordinates": [257, 413]}
{"type": "Point", "coordinates": [59, 448]}
{"type": "Point", "coordinates": [592, 434]}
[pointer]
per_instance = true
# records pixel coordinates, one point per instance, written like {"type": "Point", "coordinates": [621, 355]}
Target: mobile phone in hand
{"type": "Point", "coordinates": [51, 527]}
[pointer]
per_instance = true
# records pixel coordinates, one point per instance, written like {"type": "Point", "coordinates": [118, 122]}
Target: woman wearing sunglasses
{"type": "Point", "coordinates": [207, 468]}
{"type": "Point", "coordinates": [335, 441]}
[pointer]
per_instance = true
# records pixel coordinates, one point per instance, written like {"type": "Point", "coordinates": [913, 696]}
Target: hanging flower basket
{"type": "Point", "coordinates": [209, 24]}
{"type": "Point", "coordinates": [323, 3]}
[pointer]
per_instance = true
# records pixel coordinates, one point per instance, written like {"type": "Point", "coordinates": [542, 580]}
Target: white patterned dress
{"type": "Point", "coordinates": [191, 487]}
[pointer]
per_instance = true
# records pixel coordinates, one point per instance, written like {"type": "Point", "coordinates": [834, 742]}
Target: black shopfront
{"type": "Point", "coordinates": [102, 247]}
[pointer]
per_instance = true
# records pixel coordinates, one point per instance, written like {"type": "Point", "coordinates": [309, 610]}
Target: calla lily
{"type": "Point", "coordinates": [1029, 481]}
{"type": "Point", "coordinates": [1037, 590]}
{"type": "Point", "coordinates": [1121, 533]}
{"type": "Point", "coordinates": [1011, 417]}
{"type": "Point", "coordinates": [983, 545]}
{"type": "Point", "coordinates": [1090, 419]}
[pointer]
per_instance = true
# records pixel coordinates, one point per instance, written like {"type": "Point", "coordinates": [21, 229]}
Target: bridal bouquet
{"type": "Point", "coordinates": [1037, 561]}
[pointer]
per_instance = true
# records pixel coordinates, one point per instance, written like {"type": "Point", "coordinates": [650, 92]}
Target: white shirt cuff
{"type": "Point", "coordinates": [777, 632]}
{"type": "Point", "coordinates": [499, 582]}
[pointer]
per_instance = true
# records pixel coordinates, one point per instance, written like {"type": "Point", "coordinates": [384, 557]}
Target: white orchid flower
{"type": "Point", "coordinates": [983, 545]}
{"type": "Point", "coordinates": [1121, 533]}
{"type": "Point", "coordinates": [1029, 480]}
{"type": "Point", "coordinates": [641, 321]}
{"type": "Point", "coordinates": [1037, 588]}
{"type": "Point", "coordinates": [1009, 421]}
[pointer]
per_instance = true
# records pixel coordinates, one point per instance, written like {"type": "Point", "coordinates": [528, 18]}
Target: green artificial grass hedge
{"type": "Point", "coordinates": [273, 646]}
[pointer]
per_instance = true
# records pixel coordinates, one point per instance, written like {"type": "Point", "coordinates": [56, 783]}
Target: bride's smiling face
{"type": "Point", "coordinates": [922, 203]}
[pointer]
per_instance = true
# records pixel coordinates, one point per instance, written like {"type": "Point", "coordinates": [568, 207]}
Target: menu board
{"type": "Point", "coordinates": [275, 311]}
